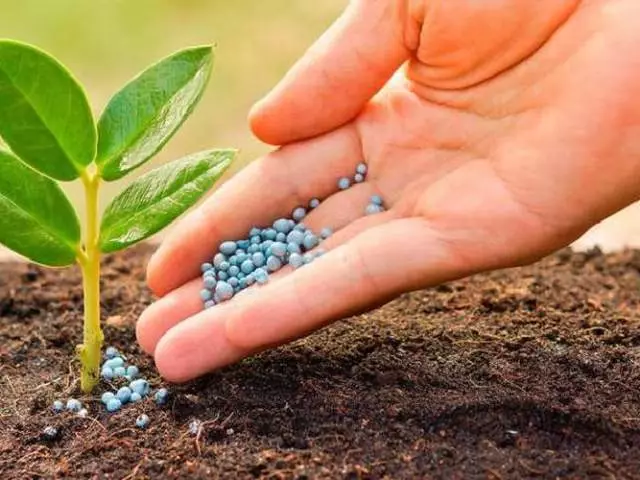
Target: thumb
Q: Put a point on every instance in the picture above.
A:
(339, 74)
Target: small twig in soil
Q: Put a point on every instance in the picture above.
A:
(33, 474)
(134, 472)
(201, 429)
(31, 454)
(71, 379)
(339, 439)
(468, 342)
(15, 395)
(348, 454)
(113, 434)
(510, 383)
(95, 420)
(198, 441)
(378, 463)
(493, 474)
(44, 385)
(531, 469)
(226, 420)
(40, 338)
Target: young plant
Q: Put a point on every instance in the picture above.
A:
(46, 122)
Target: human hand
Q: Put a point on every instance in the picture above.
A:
(515, 131)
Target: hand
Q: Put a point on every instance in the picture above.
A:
(516, 129)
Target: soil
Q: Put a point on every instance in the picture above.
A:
(527, 373)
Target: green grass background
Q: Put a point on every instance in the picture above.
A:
(106, 42)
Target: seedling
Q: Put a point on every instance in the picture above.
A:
(47, 124)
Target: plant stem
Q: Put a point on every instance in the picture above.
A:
(90, 350)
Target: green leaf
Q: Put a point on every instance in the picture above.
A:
(45, 117)
(156, 199)
(36, 218)
(142, 117)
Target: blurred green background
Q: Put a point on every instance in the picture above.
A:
(106, 42)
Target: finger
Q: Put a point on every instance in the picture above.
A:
(465, 43)
(269, 188)
(167, 312)
(333, 81)
(181, 354)
(375, 265)
(185, 302)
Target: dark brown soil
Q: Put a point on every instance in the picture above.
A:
(529, 373)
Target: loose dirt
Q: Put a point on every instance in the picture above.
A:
(528, 373)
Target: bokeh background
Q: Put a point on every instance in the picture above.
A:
(107, 42)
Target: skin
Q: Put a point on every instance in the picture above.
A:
(513, 129)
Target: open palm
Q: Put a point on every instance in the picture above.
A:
(515, 130)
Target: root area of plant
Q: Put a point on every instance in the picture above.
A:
(527, 373)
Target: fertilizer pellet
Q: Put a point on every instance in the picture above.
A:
(107, 373)
(373, 209)
(194, 427)
(310, 241)
(142, 421)
(106, 396)
(161, 396)
(293, 248)
(248, 266)
(261, 276)
(135, 397)
(133, 371)
(296, 260)
(74, 405)
(224, 291)
(376, 200)
(141, 386)
(111, 352)
(282, 225)
(258, 259)
(218, 260)
(50, 433)
(114, 405)
(241, 263)
(114, 362)
(274, 264)
(124, 394)
(228, 248)
(298, 214)
(344, 183)
(296, 236)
